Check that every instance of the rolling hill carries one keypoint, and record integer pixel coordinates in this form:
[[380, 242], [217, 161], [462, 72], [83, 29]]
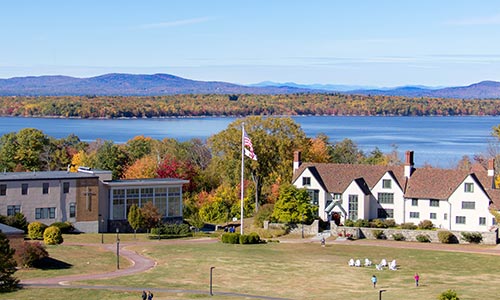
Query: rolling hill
[[166, 84]]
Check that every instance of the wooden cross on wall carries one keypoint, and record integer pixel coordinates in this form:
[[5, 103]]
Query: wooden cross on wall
[[88, 198]]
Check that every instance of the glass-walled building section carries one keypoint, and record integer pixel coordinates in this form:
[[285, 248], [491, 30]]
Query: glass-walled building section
[[168, 200]]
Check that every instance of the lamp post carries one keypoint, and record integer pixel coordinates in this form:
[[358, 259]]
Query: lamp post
[[211, 270], [302, 224], [117, 248], [102, 231], [380, 294]]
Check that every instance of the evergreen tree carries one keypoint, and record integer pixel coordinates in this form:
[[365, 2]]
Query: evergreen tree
[[7, 266]]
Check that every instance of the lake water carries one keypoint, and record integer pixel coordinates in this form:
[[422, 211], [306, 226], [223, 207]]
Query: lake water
[[440, 141]]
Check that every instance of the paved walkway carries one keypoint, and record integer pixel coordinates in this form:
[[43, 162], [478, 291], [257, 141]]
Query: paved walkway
[[465, 248], [139, 264]]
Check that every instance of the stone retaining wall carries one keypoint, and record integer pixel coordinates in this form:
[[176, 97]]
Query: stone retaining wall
[[489, 238], [312, 229]]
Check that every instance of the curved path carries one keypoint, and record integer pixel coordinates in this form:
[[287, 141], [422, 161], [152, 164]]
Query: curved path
[[139, 264]]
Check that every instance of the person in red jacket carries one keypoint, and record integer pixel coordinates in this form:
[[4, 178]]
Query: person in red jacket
[[417, 278]]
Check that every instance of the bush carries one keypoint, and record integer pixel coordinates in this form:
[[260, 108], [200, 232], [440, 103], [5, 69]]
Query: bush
[[378, 234], [30, 253], [377, 223], [448, 295], [170, 231], [252, 238], [230, 238], [409, 225], [52, 236], [18, 221], [263, 214], [362, 223], [425, 225], [65, 227], [390, 223], [447, 237], [398, 237], [349, 223], [35, 230], [472, 237], [423, 238]]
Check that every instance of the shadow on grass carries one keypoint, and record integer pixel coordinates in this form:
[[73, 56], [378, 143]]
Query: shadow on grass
[[49, 263]]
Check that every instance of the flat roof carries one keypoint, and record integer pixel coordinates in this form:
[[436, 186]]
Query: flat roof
[[10, 230], [44, 175], [146, 182]]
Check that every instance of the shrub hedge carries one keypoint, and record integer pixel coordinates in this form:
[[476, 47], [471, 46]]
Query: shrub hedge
[[447, 237], [423, 238], [472, 237], [52, 236], [35, 230]]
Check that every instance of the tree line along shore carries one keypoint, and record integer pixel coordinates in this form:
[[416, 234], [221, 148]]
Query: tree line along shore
[[241, 105]]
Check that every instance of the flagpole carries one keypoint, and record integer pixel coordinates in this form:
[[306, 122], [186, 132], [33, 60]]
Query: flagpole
[[242, 173]]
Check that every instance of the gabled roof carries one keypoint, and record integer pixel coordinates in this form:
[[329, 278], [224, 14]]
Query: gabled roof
[[337, 177], [433, 183]]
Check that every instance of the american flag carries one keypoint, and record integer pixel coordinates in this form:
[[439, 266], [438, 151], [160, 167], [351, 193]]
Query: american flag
[[248, 143]]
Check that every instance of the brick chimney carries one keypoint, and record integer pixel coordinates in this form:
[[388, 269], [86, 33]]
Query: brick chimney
[[491, 171], [409, 164], [296, 161]]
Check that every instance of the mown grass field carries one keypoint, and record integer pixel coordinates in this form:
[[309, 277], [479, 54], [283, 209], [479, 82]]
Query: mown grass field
[[287, 270]]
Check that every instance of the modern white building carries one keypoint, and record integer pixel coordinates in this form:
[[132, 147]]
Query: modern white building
[[89, 199], [451, 199]]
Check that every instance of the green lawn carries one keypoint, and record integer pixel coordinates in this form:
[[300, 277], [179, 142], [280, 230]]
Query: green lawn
[[297, 271]]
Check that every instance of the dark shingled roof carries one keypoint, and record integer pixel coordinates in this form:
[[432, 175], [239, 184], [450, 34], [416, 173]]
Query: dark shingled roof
[[337, 177], [424, 183], [432, 183]]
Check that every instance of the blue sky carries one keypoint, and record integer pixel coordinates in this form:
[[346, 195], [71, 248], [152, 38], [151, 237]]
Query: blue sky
[[370, 43]]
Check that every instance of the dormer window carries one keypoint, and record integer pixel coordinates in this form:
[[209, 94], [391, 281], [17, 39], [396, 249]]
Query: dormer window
[[386, 183], [469, 187], [306, 180]]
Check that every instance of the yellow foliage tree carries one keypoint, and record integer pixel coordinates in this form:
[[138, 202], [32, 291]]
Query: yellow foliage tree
[[144, 167]]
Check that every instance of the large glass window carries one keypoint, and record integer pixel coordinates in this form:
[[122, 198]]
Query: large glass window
[[132, 197], [13, 209], [482, 221], [147, 195], [161, 200], [432, 216], [3, 189], [314, 195], [460, 220], [119, 205], [174, 202], [387, 198], [353, 207], [306, 180]]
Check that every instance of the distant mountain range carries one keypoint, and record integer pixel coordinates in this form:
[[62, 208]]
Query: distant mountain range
[[165, 84]]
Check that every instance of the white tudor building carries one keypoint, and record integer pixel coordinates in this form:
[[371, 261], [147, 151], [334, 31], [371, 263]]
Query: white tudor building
[[451, 199]]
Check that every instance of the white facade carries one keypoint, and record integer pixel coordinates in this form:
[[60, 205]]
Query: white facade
[[462, 204]]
